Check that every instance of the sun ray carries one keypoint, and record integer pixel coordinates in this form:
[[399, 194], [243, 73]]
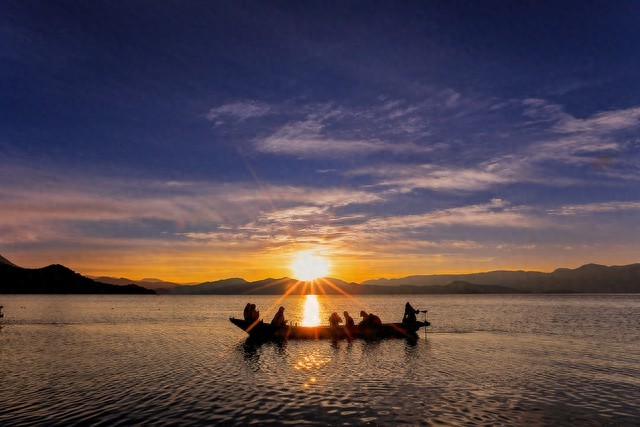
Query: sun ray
[[321, 288], [284, 295], [277, 302], [340, 290], [269, 284]]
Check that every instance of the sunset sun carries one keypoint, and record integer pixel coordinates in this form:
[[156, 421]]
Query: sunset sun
[[308, 266]]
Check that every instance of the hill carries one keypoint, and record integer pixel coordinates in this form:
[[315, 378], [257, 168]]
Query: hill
[[330, 286], [590, 278], [3, 260], [157, 285], [270, 286], [56, 279], [225, 286]]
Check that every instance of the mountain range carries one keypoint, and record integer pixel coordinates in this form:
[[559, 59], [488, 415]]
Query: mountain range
[[590, 278]]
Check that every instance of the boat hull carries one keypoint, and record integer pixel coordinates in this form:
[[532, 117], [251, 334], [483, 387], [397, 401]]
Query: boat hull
[[261, 330]]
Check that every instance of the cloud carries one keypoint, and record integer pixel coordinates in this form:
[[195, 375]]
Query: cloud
[[324, 227], [596, 208], [604, 122], [308, 138], [327, 130], [409, 177], [541, 111], [497, 213], [239, 111], [43, 206]]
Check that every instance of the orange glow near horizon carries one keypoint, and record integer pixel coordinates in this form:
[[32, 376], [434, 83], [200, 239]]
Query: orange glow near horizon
[[173, 266]]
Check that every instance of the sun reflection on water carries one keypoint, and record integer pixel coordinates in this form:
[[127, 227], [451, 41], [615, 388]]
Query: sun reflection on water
[[311, 314]]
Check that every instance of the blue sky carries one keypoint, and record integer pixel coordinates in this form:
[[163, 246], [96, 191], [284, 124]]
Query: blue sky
[[202, 140]]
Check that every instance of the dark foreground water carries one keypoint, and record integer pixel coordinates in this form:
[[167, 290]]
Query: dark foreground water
[[507, 360]]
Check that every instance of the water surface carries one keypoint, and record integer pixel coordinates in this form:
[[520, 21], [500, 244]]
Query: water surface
[[525, 359]]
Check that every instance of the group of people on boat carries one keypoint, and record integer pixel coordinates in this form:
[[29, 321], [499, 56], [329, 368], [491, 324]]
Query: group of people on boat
[[251, 313], [369, 320]]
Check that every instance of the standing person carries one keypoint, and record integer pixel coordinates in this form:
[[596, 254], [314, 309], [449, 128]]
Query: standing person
[[334, 320], [348, 320], [278, 319], [409, 314]]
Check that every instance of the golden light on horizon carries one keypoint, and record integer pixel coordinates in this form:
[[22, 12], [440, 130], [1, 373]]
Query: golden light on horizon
[[309, 266], [311, 313]]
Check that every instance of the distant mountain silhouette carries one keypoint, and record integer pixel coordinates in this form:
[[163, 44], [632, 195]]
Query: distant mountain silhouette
[[590, 278], [461, 287], [158, 285], [56, 279], [330, 286], [210, 287], [268, 286]]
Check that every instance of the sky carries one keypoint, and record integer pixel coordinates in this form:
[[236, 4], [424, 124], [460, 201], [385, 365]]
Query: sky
[[201, 140]]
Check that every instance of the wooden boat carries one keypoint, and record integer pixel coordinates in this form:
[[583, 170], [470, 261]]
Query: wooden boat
[[266, 331]]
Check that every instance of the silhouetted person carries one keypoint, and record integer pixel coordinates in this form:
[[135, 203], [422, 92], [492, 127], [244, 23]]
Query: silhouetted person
[[255, 314], [365, 319], [348, 320], [278, 319], [334, 320], [409, 314], [374, 320], [247, 312]]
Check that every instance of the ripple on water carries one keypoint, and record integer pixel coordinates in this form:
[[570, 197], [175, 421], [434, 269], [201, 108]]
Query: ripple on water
[[156, 368]]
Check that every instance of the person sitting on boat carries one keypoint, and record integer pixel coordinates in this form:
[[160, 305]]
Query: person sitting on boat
[[409, 314], [278, 319], [348, 320], [255, 314], [365, 319], [334, 320], [374, 320], [247, 312]]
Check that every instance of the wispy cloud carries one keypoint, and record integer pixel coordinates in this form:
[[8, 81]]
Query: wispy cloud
[[579, 139], [497, 213], [406, 177], [309, 139], [329, 130], [596, 208], [324, 227], [33, 212], [239, 111], [604, 122]]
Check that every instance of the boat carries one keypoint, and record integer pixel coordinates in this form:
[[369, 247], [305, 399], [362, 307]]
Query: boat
[[266, 331]]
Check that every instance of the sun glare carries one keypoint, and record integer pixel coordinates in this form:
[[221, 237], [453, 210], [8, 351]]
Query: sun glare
[[311, 314], [308, 266]]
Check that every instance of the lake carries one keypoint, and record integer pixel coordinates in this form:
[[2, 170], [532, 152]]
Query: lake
[[498, 359]]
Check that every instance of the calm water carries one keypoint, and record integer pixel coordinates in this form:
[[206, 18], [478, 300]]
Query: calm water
[[523, 360]]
